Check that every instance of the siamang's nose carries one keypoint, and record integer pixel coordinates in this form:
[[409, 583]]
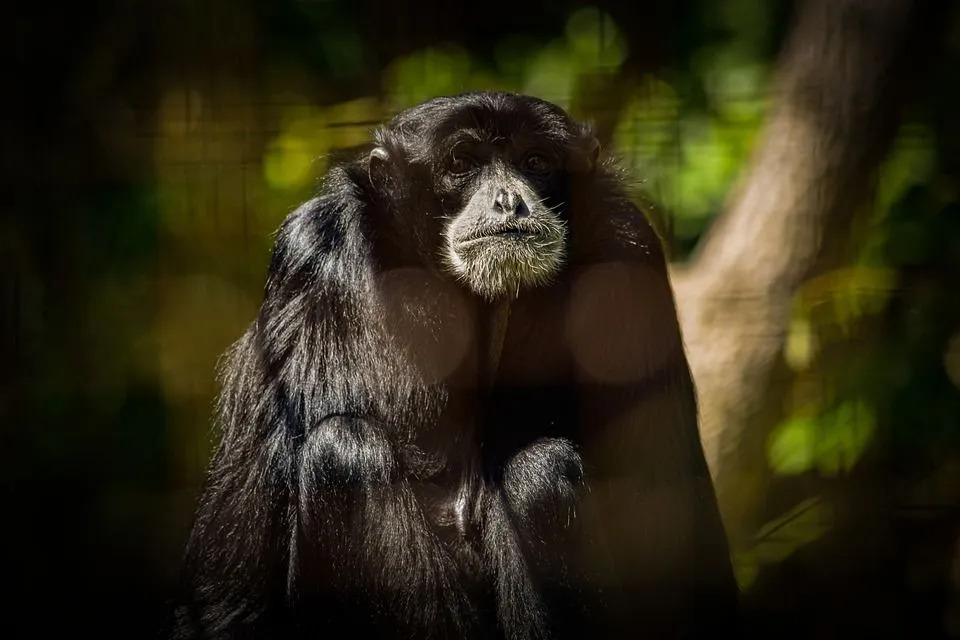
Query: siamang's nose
[[510, 203]]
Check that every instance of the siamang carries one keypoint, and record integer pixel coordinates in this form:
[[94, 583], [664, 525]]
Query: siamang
[[464, 408]]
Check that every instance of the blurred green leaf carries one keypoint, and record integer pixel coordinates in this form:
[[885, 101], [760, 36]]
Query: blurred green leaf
[[594, 40], [428, 73], [551, 75], [297, 155], [706, 170], [832, 442], [780, 538], [646, 134], [911, 160], [844, 435], [792, 446], [288, 161], [593, 45], [843, 297]]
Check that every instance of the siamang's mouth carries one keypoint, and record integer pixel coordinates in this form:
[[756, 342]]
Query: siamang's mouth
[[508, 232]]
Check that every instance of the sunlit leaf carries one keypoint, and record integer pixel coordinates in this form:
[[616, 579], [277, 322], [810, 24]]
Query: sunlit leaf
[[737, 89], [297, 155], [845, 435], [911, 161], [593, 44], [287, 162], [428, 73], [349, 123], [791, 448], [832, 442]]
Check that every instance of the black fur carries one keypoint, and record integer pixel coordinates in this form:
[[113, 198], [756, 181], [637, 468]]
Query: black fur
[[380, 471]]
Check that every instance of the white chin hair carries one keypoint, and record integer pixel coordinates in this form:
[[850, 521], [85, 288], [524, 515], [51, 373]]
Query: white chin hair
[[496, 268]]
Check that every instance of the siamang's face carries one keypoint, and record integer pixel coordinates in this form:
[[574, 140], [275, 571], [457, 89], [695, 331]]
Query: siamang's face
[[500, 177], [506, 229]]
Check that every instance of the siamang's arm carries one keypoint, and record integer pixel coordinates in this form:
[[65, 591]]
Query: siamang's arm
[[239, 553], [643, 457], [305, 495]]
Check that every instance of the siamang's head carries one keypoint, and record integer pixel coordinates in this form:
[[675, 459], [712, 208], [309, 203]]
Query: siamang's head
[[481, 183]]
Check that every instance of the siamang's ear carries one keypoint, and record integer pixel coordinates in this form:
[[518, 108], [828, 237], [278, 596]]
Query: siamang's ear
[[586, 153], [378, 163], [378, 155]]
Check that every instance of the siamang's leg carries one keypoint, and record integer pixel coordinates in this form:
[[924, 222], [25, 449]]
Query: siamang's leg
[[529, 533], [365, 553]]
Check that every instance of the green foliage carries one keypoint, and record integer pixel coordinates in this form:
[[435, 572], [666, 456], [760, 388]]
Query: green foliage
[[689, 151], [289, 161], [792, 446], [829, 432], [830, 442], [831, 305], [298, 153], [894, 223], [780, 538], [594, 40], [323, 35], [425, 74], [592, 45]]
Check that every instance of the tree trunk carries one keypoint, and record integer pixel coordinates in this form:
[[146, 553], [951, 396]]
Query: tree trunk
[[838, 95]]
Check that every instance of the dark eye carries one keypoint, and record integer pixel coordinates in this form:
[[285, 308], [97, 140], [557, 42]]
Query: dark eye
[[537, 163], [460, 165]]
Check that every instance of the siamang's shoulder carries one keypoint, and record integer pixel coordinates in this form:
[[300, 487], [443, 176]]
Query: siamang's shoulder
[[322, 226]]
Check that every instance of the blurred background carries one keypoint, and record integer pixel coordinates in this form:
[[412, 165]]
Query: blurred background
[[801, 161]]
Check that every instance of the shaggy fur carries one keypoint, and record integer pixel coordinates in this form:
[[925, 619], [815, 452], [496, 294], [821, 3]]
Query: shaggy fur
[[386, 468]]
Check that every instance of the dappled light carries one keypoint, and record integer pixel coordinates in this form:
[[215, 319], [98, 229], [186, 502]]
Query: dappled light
[[830, 442]]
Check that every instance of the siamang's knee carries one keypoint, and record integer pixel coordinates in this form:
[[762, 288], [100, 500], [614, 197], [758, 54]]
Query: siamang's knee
[[347, 452], [542, 480]]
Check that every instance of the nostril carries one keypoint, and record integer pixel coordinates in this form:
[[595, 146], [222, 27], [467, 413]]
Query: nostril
[[510, 203], [520, 208]]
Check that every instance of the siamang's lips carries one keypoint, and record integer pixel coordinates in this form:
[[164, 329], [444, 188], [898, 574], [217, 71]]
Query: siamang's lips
[[512, 231]]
